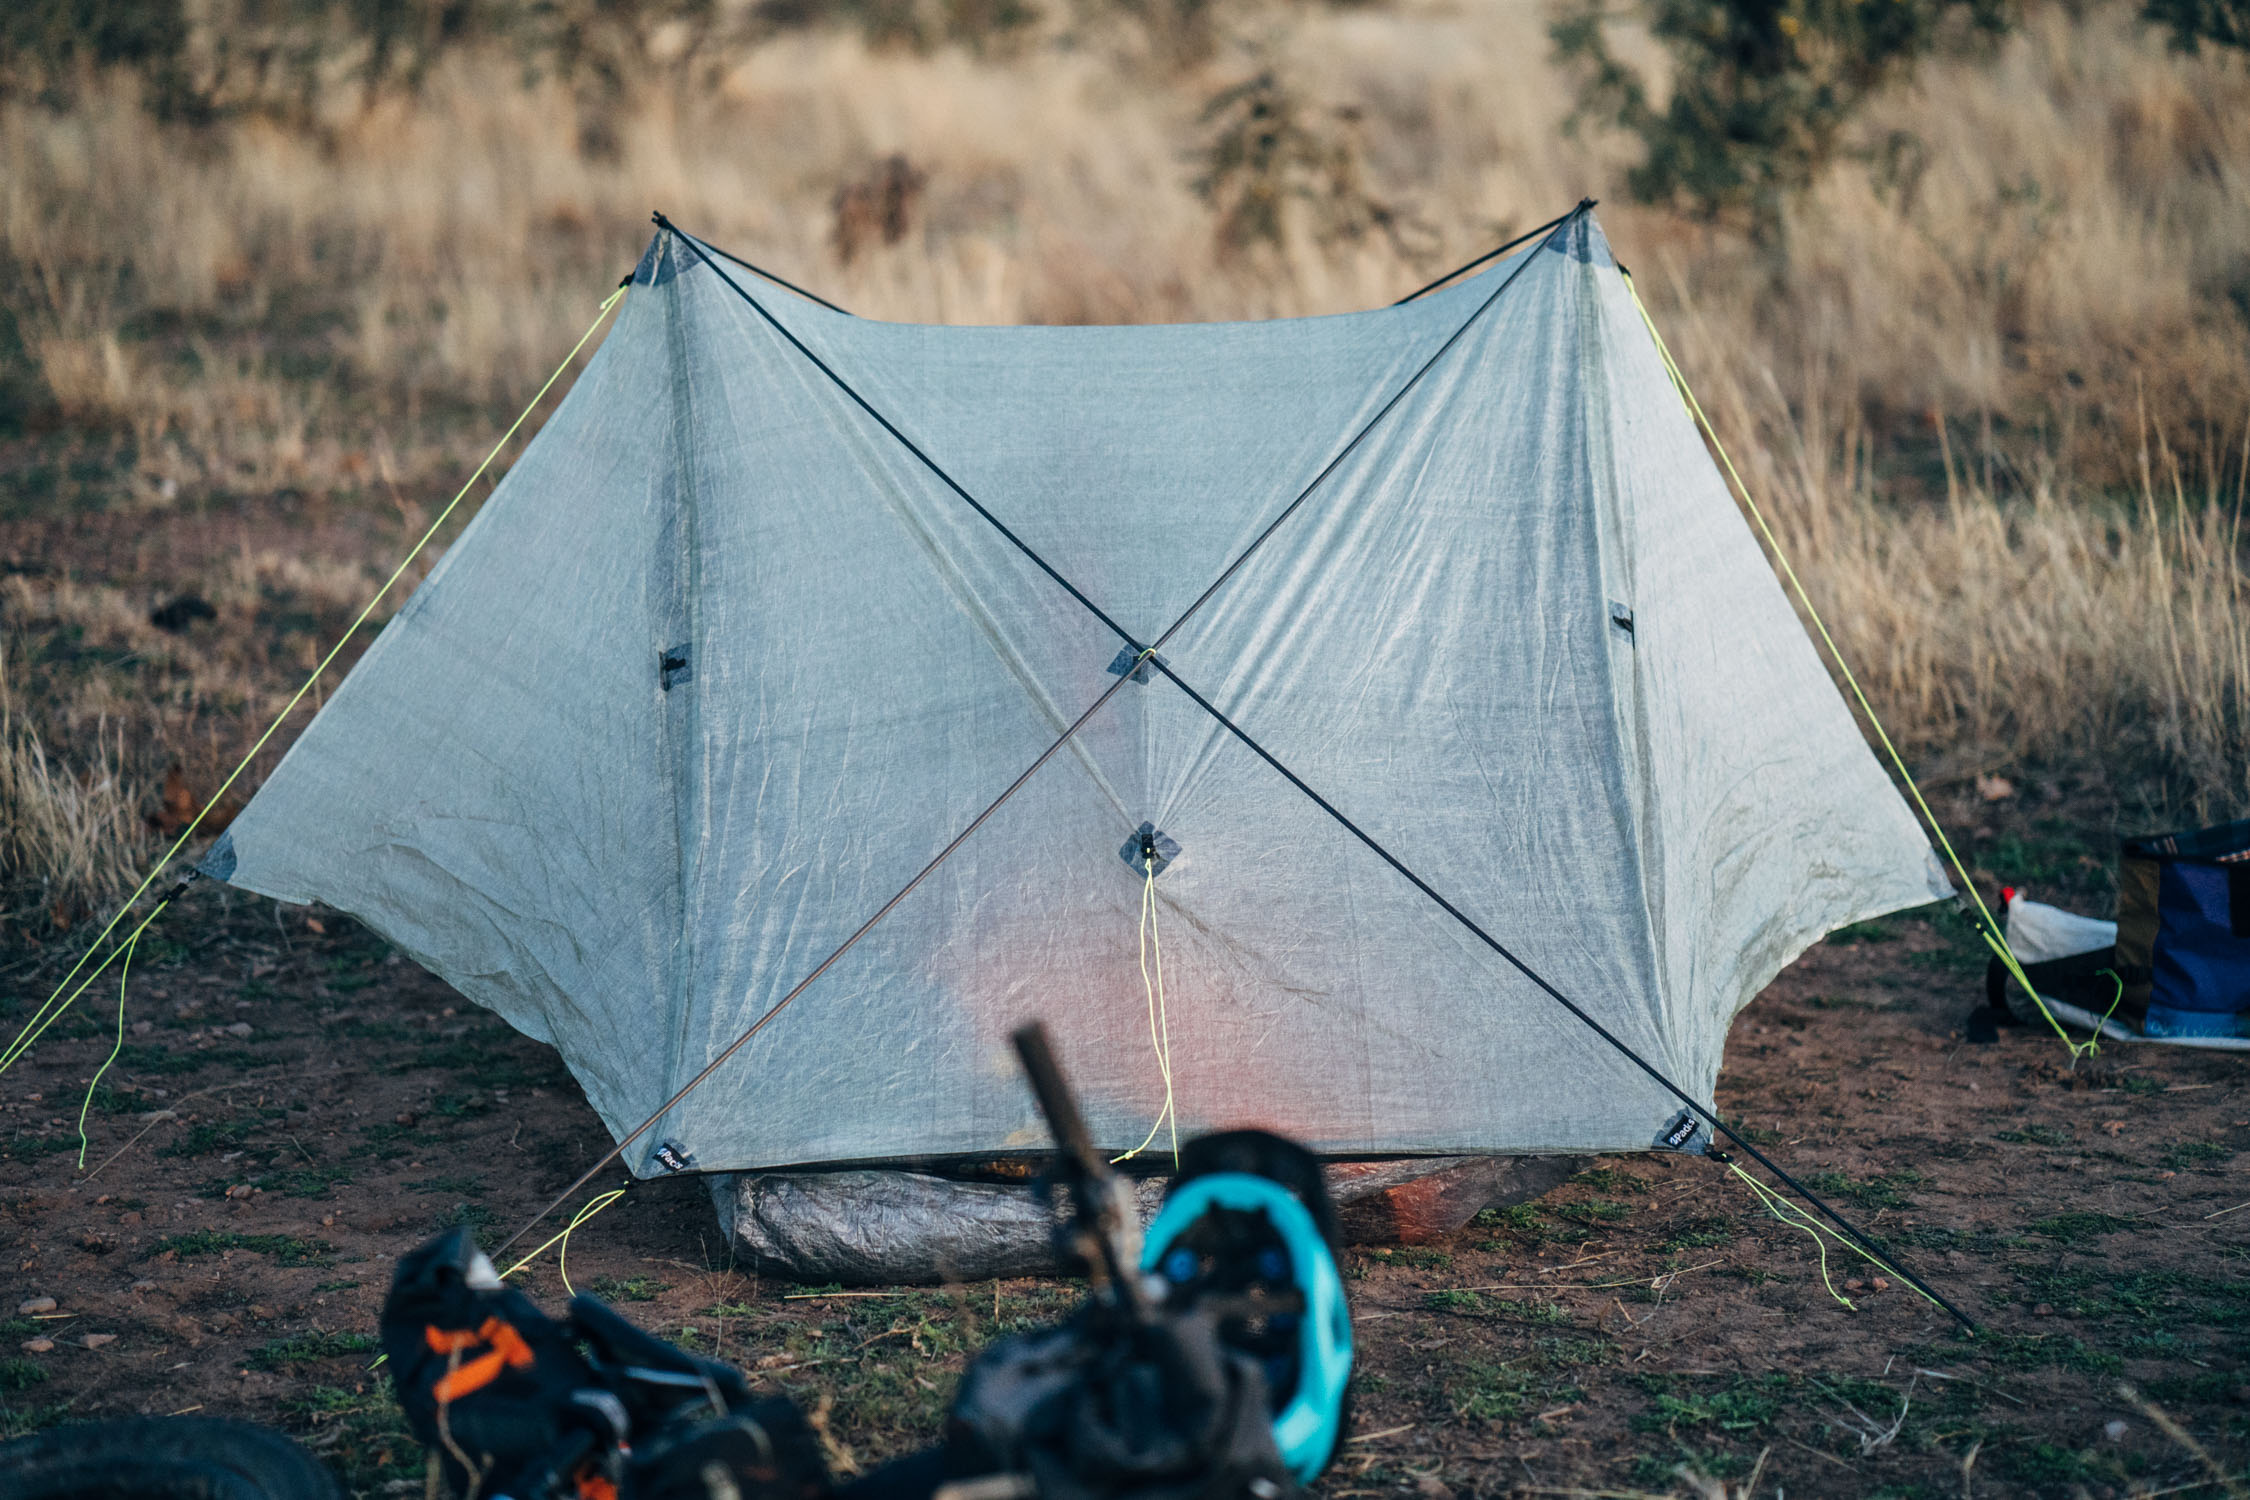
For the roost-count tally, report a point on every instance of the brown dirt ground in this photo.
(303, 1106)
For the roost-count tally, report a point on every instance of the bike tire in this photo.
(162, 1458)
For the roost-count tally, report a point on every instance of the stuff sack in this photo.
(2173, 967)
(2183, 931)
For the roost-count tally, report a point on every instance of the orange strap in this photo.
(507, 1351)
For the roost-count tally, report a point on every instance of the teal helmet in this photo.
(1249, 1215)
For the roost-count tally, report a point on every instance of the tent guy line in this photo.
(754, 269)
(1147, 655)
(1493, 254)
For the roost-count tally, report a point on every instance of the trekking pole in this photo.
(1102, 1212)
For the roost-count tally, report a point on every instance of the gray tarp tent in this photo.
(721, 664)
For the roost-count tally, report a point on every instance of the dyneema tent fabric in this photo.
(721, 664)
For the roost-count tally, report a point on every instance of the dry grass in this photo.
(1996, 384)
(67, 837)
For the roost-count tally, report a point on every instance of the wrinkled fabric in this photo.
(720, 666)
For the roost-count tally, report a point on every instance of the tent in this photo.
(780, 599)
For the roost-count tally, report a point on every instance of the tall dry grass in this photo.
(1994, 383)
(67, 834)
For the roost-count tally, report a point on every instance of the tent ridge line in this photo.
(681, 721)
(1493, 254)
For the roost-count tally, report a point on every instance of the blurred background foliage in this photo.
(1964, 283)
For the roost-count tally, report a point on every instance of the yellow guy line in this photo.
(41, 1018)
(124, 972)
(1990, 929)
(1159, 1021)
(562, 1256)
(1796, 1218)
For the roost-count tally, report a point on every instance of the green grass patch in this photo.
(32, 1147)
(1875, 930)
(287, 1249)
(2048, 1468)
(628, 1289)
(1883, 1190)
(310, 1182)
(372, 1449)
(1417, 1257)
(1593, 1212)
(1484, 1304)
(17, 1374)
(2196, 1155)
(145, 1057)
(1700, 1234)
(2078, 1225)
(1743, 1406)
(471, 1216)
(304, 1348)
(2034, 1351)
(2036, 1135)
(212, 1135)
(465, 1185)
(386, 1142)
(1521, 1221)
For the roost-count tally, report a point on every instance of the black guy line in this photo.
(757, 270)
(1493, 254)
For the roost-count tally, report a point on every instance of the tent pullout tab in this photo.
(1149, 850)
(1127, 660)
(1680, 1134)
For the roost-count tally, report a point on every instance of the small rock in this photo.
(143, 1286)
(2043, 1310)
(2114, 1430)
(1430, 1487)
(1995, 788)
(1880, 1284)
(239, 1028)
(1855, 1285)
(143, 1028)
(38, 1346)
(405, 1118)
(240, 1190)
(2114, 1127)
(98, 1340)
(33, 1306)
